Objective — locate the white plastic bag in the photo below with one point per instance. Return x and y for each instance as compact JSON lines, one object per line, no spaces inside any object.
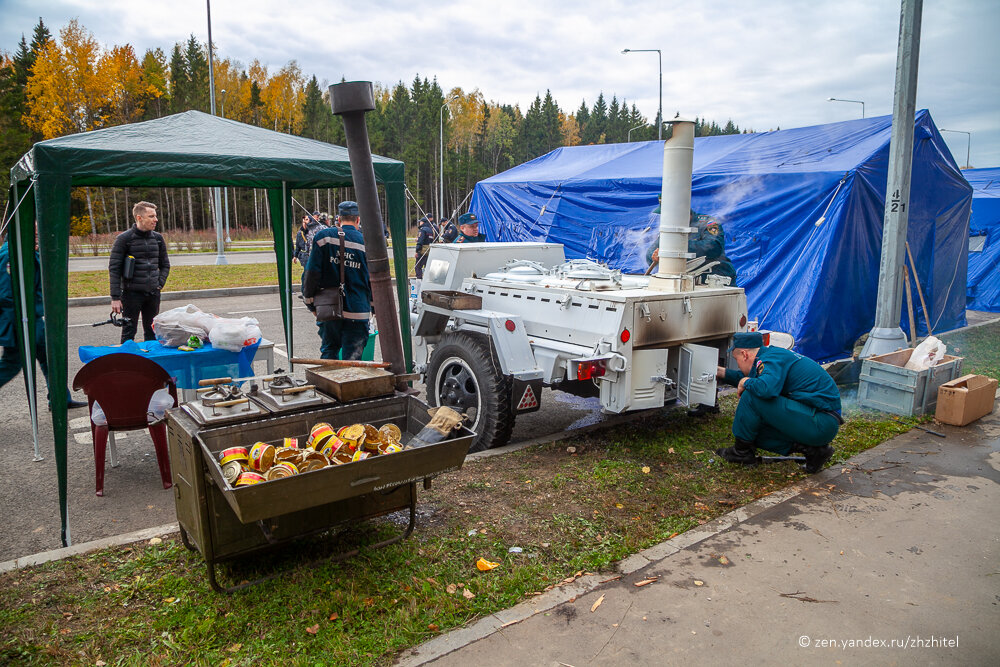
{"x":232,"y":334}
{"x":159,"y":403}
{"x":174,"y":327}
{"x":926,"y":354}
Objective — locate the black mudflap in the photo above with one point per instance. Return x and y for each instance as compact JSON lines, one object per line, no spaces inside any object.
{"x":526,"y":396}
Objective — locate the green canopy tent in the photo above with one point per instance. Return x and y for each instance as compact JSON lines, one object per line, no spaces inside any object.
{"x":190,"y":149}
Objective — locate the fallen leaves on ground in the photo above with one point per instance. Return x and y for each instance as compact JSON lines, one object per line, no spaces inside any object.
{"x":597,"y":604}
{"x":313,"y":629}
{"x":484,"y":565}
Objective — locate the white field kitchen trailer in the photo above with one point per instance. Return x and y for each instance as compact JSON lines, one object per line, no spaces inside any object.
{"x":493,"y":323}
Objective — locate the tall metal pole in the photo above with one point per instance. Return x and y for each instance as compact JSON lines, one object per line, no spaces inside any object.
{"x":659,"y":112}
{"x":352,"y":100}
{"x":220,"y":245}
{"x":836,"y":99}
{"x":225,"y":191}
{"x":886,"y":335}
{"x":441,"y":164}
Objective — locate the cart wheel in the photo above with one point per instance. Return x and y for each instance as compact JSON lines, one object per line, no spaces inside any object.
{"x":464,"y":374}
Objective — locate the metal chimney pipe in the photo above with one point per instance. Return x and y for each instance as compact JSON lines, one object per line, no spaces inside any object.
{"x":352,"y":100}
{"x":675,"y":209}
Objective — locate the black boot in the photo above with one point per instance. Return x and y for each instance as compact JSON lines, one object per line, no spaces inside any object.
{"x":816,"y":458}
{"x":701,"y":409}
{"x":742,"y":452}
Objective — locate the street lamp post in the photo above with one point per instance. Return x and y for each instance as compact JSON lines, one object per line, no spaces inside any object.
{"x":834,"y":99}
{"x":659,"y":113}
{"x":968,"y":147}
{"x":225,"y":191}
{"x":629,"y":135}
{"x":220,"y":245}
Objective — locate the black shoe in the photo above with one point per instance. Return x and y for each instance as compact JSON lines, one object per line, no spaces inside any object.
{"x":71,"y":404}
{"x":742,"y":452}
{"x":701,"y":410}
{"x":816,"y":458}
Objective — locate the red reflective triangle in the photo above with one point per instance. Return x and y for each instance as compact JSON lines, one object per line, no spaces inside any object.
{"x":528,"y":399}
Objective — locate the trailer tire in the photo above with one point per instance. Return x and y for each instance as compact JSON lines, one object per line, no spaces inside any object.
{"x":464,"y":374}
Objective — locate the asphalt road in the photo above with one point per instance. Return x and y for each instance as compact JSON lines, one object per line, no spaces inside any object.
{"x":134,"y":498}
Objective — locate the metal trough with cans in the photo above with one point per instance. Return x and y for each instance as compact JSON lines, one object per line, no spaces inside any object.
{"x":225,"y":523}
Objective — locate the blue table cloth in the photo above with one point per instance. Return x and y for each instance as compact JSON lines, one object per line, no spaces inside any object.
{"x":188,"y":367}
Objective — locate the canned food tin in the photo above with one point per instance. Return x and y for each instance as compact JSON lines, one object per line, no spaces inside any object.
{"x":262,"y":456}
{"x":361,"y":455}
{"x":390,"y":433}
{"x":290,"y":442}
{"x":390,"y":448}
{"x":234,"y":454}
{"x":319,"y":433}
{"x":288,"y":467}
{"x":372,"y":438}
{"x":248,"y":478}
{"x":231,"y":471}
{"x":312,"y":464}
{"x":353,"y":435}
{"x":331,"y":446}
{"x":343,"y":456}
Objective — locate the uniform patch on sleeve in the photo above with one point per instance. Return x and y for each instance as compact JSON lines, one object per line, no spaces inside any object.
{"x":759,"y":367}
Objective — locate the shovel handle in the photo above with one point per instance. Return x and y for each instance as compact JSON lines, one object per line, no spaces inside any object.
{"x":226,"y":404}
{"x":297,"y":390}
{"x":211,"y":381}
{"x":341,"y":363}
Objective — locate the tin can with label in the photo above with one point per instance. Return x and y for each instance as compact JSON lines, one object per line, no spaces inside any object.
{"x":234,"y":454}
{"x":262,"y":456}
{"x":331,"y":446}
{"x":231,"y":471}
{"x":372,"y":439}
{"x":391,"y":448}
{"x":280,"y":470}
{"x":353,"y":436}
{"x":390,"y":433}
{"x":318,"y":435}
{"x":344,"y":455}
{"x":249,"y":478}
{"x":361,"y":455}
{"x":290,"y":442}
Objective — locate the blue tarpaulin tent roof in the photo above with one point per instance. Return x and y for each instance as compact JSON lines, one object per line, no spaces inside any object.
{"x":983,"y":288}
{"x":801,"y":210}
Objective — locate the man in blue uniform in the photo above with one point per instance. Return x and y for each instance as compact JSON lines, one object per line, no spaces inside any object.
{"x":468,"y":229}
{"x":337,"y":252}
{"x":708,"y":242}
{"x":788,"y":403}
{"x":449,"y":232}
{"x":425,"y":236}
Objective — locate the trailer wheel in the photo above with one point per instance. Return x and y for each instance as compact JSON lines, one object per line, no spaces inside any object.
{"x":464,"y":374}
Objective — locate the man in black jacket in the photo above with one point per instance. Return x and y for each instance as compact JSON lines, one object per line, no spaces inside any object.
{"x":138,"y":269}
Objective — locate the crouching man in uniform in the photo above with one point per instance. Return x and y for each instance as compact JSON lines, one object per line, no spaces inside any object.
{"x":788,"y":403}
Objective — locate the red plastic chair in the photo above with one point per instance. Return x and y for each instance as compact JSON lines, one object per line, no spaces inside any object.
{"x":123,"y":384}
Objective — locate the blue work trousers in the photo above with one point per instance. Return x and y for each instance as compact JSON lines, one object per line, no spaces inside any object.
{"x":342,"y":339}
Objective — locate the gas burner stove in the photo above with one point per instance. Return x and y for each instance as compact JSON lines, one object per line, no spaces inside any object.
{"x":222,"y":403}
{"x":284,"y":392}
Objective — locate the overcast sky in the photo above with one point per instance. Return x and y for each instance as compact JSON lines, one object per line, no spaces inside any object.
{"x":764,"y":64}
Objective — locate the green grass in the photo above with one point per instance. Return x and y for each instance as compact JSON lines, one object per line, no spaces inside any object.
{"x":182,"y":278}
{"x":979,"y":347}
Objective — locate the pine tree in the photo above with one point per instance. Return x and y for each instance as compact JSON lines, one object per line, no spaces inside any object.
{"x":197,"y":76}
{"x":180,"y":81}
{"x":312,"y":111}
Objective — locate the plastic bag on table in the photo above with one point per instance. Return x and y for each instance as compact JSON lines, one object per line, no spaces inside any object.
{"x":174,"y":327}
{"x":233,"y":334}
{"x":926,"y":354}
{"x":443,"y":421}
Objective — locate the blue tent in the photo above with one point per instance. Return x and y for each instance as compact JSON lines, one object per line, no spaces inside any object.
{"x":983,"y":290}
{"x":801,"y":211}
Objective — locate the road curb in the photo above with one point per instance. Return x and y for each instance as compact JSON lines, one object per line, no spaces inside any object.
{"x":87,"y":547}
{"x":188,"y":294}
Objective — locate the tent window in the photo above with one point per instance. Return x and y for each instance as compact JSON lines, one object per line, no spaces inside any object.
{"x":977,"y":243}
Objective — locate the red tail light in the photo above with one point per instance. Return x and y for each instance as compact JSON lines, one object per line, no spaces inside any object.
{"x":585,"y":370}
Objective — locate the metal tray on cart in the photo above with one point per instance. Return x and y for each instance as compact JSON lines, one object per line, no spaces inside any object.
{"x":225,"y":524}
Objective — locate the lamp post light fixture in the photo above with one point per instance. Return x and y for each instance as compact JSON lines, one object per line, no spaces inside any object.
{"x":835,"y":99}
{"x":659,"y":113}
{"x":441,"y":163}
{"x":968,"y":147}
{"x":629,"y":136}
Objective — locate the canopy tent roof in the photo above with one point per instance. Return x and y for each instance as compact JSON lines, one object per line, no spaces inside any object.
{"x":186,"y":149}
{"x":801,"y":211}
{"x":196,"y":149}
{"x":983,"y":289}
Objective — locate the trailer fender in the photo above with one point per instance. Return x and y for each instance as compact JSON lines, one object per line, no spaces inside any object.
{"x":513,"y":348}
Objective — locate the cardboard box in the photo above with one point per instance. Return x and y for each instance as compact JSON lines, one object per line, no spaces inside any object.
{"x":965,"y":399}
